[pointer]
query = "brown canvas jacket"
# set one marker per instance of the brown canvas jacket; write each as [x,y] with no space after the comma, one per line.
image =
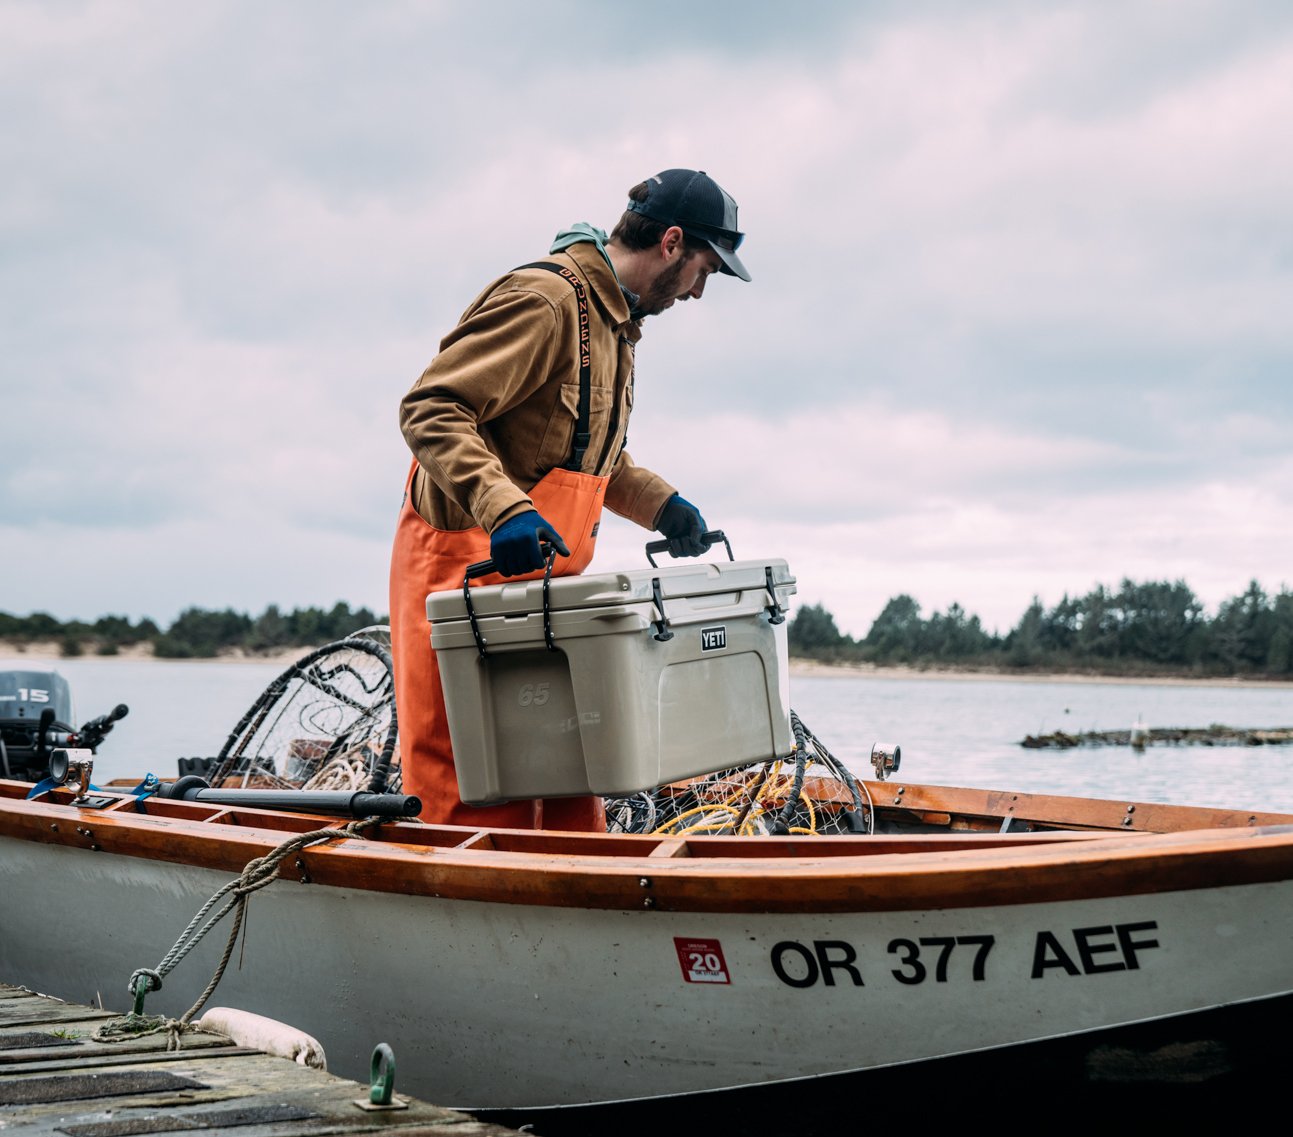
[496,408]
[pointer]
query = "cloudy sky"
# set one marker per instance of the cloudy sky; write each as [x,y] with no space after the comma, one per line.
[1019,324]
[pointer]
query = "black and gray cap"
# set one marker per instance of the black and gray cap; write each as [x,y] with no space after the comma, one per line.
[701,208]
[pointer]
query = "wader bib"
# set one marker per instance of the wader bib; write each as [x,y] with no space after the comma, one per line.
[426,559]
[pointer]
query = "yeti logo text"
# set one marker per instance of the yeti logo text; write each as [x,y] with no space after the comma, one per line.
[712,639]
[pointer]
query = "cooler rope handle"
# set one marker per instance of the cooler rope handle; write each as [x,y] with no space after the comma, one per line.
[484,568]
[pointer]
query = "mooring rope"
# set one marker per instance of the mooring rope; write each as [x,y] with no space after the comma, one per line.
[256,875]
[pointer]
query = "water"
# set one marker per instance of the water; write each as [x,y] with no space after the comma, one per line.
[178,709]
[960,732]
[966,732]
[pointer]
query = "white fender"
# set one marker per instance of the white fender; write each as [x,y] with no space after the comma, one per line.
[268,1035]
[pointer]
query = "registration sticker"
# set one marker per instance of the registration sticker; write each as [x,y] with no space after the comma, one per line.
[701,960]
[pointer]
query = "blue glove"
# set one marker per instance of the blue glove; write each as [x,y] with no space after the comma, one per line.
[682,523]
[514,545]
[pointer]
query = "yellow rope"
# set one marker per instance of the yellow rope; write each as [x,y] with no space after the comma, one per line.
[717,814]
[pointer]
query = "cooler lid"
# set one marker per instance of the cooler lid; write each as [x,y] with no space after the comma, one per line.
[600,590]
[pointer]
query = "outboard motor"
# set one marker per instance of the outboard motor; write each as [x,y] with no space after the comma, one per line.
[36,715]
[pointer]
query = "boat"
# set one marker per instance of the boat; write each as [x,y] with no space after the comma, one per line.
[561,979]
[764,948]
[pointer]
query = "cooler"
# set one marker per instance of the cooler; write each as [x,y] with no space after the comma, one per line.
[627,681]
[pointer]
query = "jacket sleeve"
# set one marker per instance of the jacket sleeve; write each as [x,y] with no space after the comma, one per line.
[496,357]
[636,493]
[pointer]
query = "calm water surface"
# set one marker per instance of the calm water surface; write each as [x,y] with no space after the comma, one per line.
[966,732]
[961,732]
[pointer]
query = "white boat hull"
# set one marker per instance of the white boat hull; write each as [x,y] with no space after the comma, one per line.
[498,1005]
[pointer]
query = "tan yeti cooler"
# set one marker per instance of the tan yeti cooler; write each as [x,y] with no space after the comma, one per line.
[631,680]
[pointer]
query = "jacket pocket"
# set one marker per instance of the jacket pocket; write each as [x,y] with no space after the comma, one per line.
[559,435]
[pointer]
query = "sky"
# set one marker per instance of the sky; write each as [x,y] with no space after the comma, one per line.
[1019,323]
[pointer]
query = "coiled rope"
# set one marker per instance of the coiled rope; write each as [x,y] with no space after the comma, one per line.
[768,797]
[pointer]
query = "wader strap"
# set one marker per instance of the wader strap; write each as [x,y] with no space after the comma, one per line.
[582,435]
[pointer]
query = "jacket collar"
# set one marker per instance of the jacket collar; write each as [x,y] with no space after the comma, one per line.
[597,274]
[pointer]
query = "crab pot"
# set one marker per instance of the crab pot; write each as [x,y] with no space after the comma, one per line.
[652,676]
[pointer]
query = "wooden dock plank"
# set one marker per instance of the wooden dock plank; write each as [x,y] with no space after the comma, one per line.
[36,1009]
[42,1061]
[77,1087]
[37,1028]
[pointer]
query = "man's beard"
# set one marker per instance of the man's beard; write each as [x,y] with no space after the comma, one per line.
[663,289]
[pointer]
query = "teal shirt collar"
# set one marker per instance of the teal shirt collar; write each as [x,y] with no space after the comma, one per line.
[580,233]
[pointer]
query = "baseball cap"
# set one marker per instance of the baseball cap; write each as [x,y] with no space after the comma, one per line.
[701,208]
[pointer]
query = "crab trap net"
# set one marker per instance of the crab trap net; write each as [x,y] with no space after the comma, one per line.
[326,723]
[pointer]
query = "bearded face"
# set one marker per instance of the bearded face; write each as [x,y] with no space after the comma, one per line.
[665,289]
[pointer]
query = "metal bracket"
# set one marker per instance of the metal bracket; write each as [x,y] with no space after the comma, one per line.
[139,989]
[886,757]
[67,764]
[381,1093]
[775,614]
[662,631]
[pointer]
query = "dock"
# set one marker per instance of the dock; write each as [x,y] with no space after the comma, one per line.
[57,1079]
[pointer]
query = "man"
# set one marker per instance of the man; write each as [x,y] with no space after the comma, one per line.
[517,430]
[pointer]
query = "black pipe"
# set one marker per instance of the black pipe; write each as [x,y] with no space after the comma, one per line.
[346,803]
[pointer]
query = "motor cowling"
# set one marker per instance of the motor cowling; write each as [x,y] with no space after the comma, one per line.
[35,710]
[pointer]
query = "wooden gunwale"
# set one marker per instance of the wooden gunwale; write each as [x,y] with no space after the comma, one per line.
[966,806]
[699,874]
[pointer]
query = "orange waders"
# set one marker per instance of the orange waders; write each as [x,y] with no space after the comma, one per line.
[426,559]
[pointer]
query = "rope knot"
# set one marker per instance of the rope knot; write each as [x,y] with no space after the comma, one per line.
[153,979]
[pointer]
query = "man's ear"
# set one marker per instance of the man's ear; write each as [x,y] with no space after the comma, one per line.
[673,242]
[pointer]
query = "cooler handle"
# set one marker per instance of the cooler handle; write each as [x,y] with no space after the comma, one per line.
[484,568]
[710,537]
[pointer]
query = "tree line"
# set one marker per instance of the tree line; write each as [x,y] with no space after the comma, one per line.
[1155,627]
[197,633]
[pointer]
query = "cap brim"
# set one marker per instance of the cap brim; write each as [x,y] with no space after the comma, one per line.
[732,265]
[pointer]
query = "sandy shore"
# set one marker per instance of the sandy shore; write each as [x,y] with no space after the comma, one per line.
[46,652]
